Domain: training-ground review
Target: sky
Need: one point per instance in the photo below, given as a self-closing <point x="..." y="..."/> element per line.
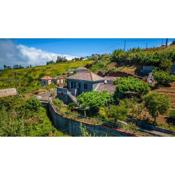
<point x="39" y="51"/>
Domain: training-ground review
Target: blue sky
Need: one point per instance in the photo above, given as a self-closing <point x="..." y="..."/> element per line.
<point x="84" y="47"/>
<point x="40" y="51"/>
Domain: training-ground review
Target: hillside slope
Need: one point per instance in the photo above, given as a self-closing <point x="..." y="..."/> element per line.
<point x="27" y="79"/>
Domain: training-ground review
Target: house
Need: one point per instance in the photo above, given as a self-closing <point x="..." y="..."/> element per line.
<point x="46" y="80"/>
<point x="173" y="69"/>
<point x="59" y="80"/>
<point x="83" y="80"/>
<point x="145" y="70"/>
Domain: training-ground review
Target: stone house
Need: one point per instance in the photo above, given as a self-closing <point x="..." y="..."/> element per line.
<point x="46" y="80"/>
<point x="59" y="80"/>
<point x="83" y="80"/>
<point x="145" y="70"/>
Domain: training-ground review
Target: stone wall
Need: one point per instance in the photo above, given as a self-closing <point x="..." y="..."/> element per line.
<point x="8" y="92"/>
<point x="73" y="127"/>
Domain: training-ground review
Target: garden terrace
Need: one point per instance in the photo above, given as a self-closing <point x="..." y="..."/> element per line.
<point x="170" y="91"/>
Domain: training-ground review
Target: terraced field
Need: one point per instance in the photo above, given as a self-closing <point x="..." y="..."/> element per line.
<point x="170" y="91"/>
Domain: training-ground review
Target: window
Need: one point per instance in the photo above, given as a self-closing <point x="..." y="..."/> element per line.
<point x="79" y="85"/>
<point x="85" y="86"/>
<point x="74" y="84"/>
<point x="71" y="84"/>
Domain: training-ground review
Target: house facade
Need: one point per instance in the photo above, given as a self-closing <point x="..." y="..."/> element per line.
<point x="59" y="81"/>
<point x="81" y="81"/>
<point x="173" y="69"/>
<point x="46" y="80"/>
<point x="145" y="70"/>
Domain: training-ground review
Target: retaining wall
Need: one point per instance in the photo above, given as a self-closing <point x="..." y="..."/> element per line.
<point x="73" y="127"/>
<point x="8" y="92"/>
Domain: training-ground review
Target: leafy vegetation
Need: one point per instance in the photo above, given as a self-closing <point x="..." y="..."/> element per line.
<point x="166" y="65"/>
<point x="119" y="112"/>
<point x="24" y="117"/>
<point x="130" y="86"/>
<point x="163" y="77"/>
<point x="84" y="131"/>
<point x="139" y="56"/>
<point x="69" y="111"/>
<point x="94" y="100"/>
<point x="157" y="104"/>
<point x="21" y="116"/>
<point x="28" y="80"/>
<point x="100" y="62"/>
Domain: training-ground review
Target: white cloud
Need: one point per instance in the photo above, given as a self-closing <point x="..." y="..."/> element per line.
<point x="11" y="54"/>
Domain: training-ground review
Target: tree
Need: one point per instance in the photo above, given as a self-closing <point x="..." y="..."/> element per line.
<point x="50" y="62"/>
<point x="134" y="107"/>
<point x="93" y="100"/>
<point x="119" y="112"/>
<point x="163" y="78"/>
<point x="129" y="86"/>
<point x="61" y="59"/>
<point x="157" y="104"/>
<point x="120" y="56"/>
<point x="137" y="56"/>
<point x="166" y="65"/>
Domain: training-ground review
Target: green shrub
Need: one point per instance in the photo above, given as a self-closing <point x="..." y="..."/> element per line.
<point x="84" y="131"/>
<point x="163" y="78"/>
<point x="57" y="102"/>
<point x="93" y="100"/>
<point x="119" y="112"/>
<point x="104" y="112"/>
<point x="157" y="104"/>
<point x="135" y="108"/>
<point x="33" y="104"/>
<point x="172" y="113"/>
<point x="21" y="117"/>
<point x="130" y="86"/>
<point x="114" y="112"/>
<point x="139" y="56"/>
<point x="166" y="65"/>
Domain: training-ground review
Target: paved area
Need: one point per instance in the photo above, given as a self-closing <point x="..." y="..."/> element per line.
<point x="43" y="96"/>
<point x="156" y="133"/>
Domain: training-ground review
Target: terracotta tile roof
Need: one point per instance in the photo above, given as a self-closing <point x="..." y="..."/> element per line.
<point x="106" y="87"/>
<point x="85" y="74"/>
<point x="46" y="78"/>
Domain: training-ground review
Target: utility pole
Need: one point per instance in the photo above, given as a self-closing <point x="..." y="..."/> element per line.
<point x="166" y="43"/>
<point x="124" y="48"/>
